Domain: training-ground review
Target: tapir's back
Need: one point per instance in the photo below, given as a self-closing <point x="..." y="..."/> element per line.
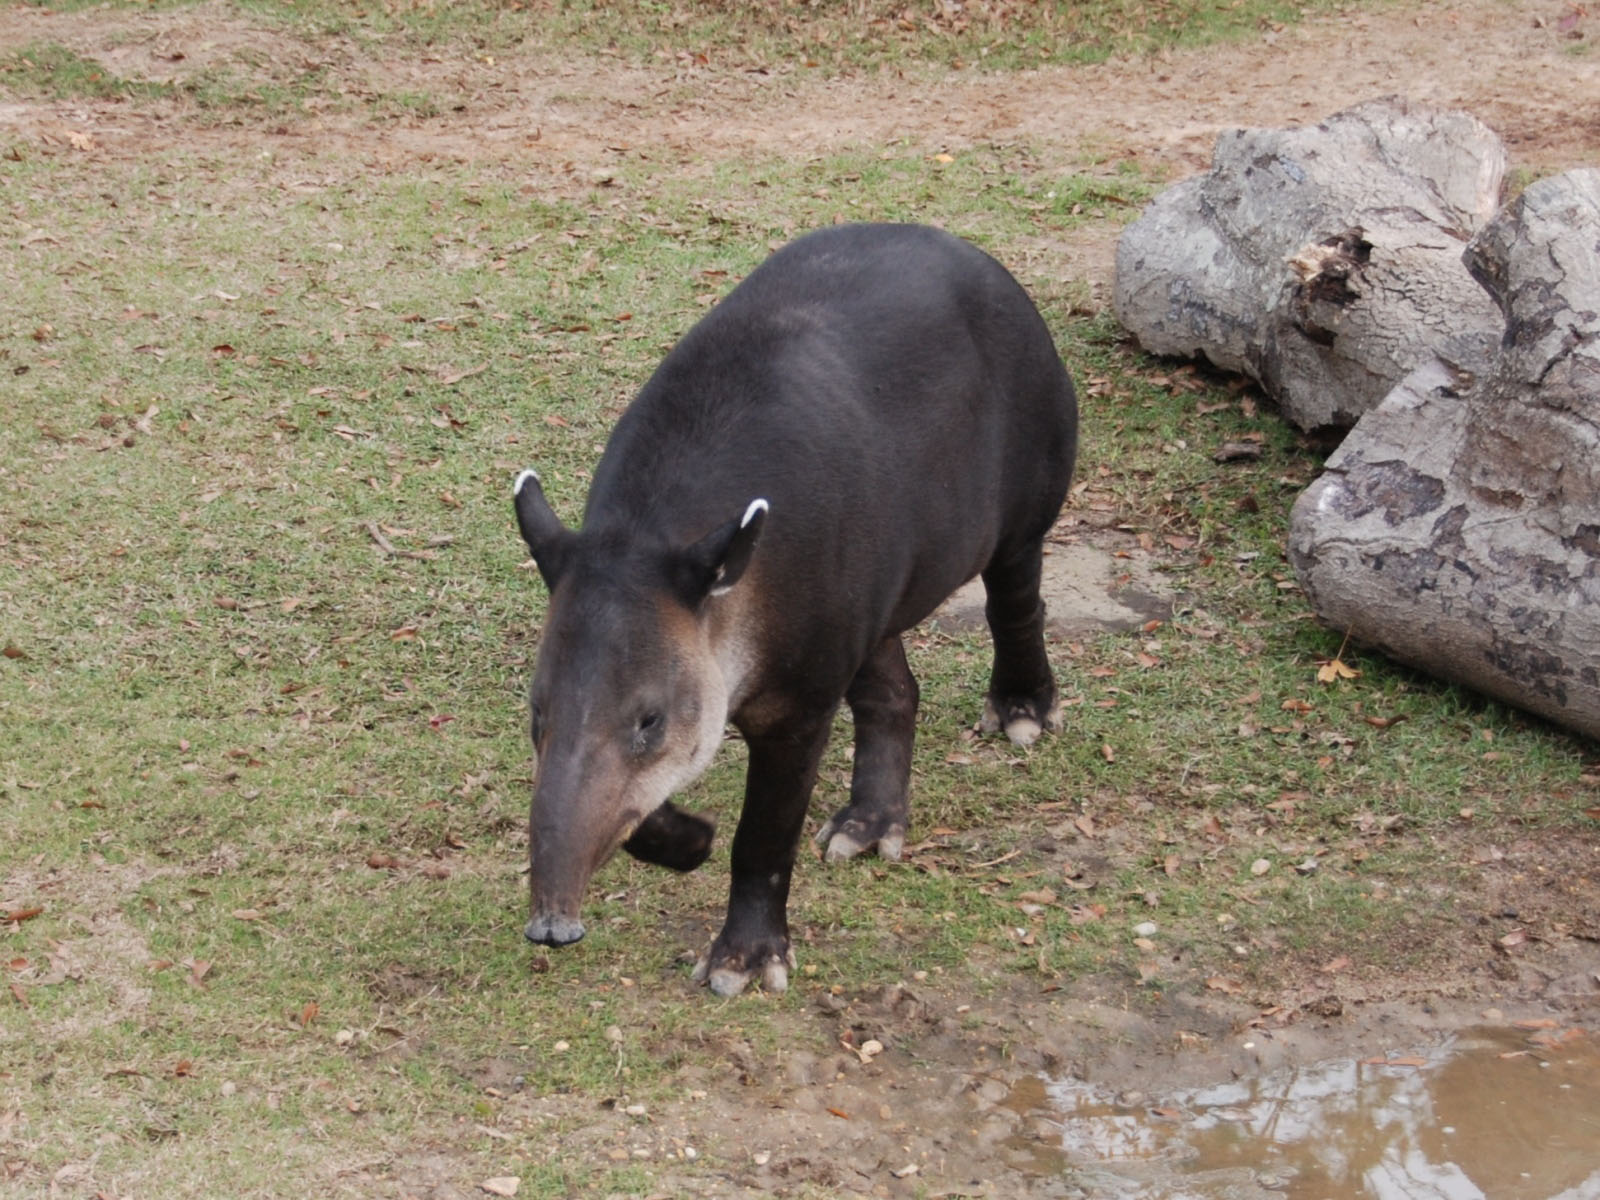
<point x="889" y="389"/>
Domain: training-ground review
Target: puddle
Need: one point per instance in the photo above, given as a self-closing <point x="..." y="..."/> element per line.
<point x="1492" y="1114"/>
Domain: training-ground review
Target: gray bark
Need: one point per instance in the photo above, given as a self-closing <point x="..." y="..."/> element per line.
<point x="1323" y="261"/>
<point x="1458" y="525"/>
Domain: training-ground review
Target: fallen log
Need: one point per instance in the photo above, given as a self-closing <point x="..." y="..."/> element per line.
<point x="1322" y="261"/>
<point x="1457" y="527"/>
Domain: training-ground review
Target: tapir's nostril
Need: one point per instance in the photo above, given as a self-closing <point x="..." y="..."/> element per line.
<point x="553" y="931"/>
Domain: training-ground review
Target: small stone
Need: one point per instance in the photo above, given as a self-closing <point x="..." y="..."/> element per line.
<point x="561" y="1047"/>
<point x="1261" y="866"/>
<point x="761" y="1158"/>
<point x="635" y="1110"/>
<point x="1146" y="929"/>
<point x="501" y="1185"/>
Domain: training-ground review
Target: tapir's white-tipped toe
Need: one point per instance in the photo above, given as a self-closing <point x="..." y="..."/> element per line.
<point x="1024" y="731"/>
<point x="891" y="846"/>
<point x="775" y="976"/>
<point x="842" y="846"/>
<point x="726" y="982"/>
<point x="990" y="721"/>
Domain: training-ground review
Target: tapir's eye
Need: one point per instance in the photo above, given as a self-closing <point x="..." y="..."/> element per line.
<point x="647" y="732"/>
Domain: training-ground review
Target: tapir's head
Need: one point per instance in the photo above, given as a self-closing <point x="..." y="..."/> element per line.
<point x="629" y="696"/>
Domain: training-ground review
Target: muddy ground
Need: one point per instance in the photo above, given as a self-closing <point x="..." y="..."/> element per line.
<point x="936" y="1110"/>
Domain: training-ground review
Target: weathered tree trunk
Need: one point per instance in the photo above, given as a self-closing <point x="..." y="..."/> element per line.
<point x="1324" y="261"/>
<point x="1458" y="527"/>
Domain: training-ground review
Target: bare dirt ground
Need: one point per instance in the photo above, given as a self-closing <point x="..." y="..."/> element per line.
<point x="941" y="1096"/>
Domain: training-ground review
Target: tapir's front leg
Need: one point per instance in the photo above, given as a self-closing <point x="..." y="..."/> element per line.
<point x="754" y="941"/>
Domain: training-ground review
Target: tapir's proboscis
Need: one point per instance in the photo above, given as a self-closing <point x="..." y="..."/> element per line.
<point x="874" y="416"/>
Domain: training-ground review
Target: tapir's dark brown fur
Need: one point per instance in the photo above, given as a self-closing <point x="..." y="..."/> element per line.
<point x="873" y="417"/>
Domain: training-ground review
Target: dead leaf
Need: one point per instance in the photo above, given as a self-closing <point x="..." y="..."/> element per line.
<point x="1336" y="668"/>
<point x="21" y="914"/>
<point x="449" y="375"/>
<point x="308" y="1014"/>
<point x="11" y="651"/>
<point x="1404" y="1060"/>
<point x="1219" y="983"/>
<point x="1086" y="914"/>
<point x="1237" y="451"/>
<point x="246" y="914"/>
<point x="1107" y="753"/>
<point x="1084" y="825"/>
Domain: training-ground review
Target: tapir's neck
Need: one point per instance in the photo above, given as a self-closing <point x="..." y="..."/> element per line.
<point x="733" y="637"/>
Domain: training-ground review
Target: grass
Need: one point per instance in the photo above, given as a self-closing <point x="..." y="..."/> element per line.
<point x="268" y="626"/>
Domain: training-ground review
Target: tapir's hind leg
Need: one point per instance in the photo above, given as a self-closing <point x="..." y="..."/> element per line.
<point x="883" y="702"/>
<point x="1022" y="691"/>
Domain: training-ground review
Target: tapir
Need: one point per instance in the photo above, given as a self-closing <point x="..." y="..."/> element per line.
<point x="874" y="416"/>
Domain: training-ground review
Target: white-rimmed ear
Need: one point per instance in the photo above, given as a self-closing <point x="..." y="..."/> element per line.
<point x="546" y="536"/>
<point x="715" y="563"/>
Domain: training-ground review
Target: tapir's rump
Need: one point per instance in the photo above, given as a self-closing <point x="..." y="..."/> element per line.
<point x="873" y="417"/>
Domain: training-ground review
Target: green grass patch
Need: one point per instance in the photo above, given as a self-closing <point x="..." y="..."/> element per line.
<point x="48" y="69"/>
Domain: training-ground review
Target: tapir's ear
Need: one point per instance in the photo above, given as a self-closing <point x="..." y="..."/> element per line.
<point x="546" y="536"/>
<point x="714" y="563"/>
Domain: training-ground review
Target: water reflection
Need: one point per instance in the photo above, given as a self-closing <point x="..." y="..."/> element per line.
<point x="1487" y="1116"/>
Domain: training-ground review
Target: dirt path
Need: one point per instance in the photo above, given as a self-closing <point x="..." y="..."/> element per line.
<point x="1515" y="65"/>
<point x="1518" y="66"/>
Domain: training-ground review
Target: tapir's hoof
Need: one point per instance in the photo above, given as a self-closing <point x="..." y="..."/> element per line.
<point x="847" y="837"/>
<point x="1022" y="723"/>
<point x="729" y="981"/>
<point x="672" y="838"/>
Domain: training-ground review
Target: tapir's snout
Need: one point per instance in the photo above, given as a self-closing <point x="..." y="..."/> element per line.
<point x="543" y="929"/>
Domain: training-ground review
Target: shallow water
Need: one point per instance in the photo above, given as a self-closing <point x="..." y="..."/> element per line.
<point x="1492" y="1114"/>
